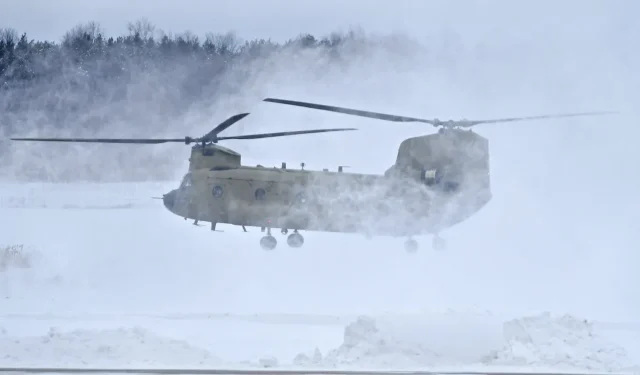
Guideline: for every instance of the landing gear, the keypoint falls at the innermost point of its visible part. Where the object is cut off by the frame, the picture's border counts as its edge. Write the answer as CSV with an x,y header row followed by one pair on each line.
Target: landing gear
x,y
268,242
295,239
411,245
439,243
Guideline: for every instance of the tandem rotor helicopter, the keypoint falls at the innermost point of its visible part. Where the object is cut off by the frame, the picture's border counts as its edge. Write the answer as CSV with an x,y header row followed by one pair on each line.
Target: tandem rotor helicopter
x,y
437,181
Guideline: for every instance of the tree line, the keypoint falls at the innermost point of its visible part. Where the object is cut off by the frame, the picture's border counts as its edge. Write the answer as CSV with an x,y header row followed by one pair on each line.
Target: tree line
x,y
90,82
88,67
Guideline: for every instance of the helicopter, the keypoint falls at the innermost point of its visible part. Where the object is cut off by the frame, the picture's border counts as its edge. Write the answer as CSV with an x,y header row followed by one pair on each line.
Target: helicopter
x,y
437,181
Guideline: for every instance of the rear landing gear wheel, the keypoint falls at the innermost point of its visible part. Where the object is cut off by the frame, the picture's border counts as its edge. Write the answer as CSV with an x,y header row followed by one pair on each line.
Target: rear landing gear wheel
x,y
439,243
268,242
411,245
295,239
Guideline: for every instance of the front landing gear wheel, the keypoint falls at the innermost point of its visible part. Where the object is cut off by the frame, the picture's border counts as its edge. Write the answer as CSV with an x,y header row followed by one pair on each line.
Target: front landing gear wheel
x,y
439,243
411,245
295,239
268,242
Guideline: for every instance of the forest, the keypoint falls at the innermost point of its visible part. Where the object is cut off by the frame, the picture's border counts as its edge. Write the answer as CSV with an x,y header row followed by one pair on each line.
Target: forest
x,y
88,67
151,83
90,82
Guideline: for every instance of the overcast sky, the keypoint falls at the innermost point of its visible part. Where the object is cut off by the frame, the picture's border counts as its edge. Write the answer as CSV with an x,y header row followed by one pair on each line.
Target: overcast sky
x,y
281,19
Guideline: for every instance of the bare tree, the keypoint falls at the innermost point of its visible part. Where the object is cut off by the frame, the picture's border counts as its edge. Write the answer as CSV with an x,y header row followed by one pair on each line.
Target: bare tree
x,y
9,36
141,28
223,44
90,30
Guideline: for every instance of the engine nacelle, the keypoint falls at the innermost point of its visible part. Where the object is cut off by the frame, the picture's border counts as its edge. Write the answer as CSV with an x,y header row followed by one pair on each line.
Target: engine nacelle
x,y
446,161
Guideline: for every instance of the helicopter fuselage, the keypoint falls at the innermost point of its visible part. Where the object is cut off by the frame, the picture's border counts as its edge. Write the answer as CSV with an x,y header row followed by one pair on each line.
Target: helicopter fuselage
x,y
320,201
407,200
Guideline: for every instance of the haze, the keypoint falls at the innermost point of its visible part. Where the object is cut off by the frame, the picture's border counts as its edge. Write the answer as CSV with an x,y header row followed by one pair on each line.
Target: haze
x,y
561,231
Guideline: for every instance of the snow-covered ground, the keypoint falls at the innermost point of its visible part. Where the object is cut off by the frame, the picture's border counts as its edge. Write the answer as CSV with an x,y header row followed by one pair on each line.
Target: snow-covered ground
x,y
139,286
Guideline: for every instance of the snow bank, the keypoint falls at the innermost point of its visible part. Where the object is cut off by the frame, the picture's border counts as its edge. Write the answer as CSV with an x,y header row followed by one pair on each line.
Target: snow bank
x,y
563,342
25,267
541,341
115,348
411,341
17,256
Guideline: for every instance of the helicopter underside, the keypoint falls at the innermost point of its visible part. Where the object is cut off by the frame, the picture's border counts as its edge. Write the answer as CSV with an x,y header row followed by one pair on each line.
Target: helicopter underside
x,y
400,217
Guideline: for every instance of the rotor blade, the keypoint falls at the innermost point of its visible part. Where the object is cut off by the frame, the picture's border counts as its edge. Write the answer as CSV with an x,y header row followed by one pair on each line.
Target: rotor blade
x,y
526,118
349,111
283,134
102,140
223,125
434,122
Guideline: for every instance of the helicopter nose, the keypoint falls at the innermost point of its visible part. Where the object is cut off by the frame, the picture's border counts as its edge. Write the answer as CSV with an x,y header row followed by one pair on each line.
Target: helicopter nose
x,y
169,200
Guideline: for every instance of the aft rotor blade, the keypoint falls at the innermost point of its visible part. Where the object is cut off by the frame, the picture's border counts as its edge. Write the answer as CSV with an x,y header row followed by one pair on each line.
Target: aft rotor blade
x,y
527,118
434,122
350,111
224,125
284,134
102,140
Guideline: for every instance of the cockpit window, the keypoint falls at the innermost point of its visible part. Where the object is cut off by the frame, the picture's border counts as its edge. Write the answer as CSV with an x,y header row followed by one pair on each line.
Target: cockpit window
x,y
186,181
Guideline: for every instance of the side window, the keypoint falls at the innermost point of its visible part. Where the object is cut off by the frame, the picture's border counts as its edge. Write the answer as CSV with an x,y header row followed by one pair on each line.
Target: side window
x,y
186,181
217,191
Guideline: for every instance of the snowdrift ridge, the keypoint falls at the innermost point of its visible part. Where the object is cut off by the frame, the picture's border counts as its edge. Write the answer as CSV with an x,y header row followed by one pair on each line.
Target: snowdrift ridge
x,y
539,341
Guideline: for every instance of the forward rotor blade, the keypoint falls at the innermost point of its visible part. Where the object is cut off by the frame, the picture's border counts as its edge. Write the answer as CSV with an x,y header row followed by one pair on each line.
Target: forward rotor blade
x,y
284,134
210,136
350,111
434,122
103,140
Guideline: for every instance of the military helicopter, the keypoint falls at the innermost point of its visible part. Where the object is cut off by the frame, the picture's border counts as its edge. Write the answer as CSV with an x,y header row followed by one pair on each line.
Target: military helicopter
x,y
437,181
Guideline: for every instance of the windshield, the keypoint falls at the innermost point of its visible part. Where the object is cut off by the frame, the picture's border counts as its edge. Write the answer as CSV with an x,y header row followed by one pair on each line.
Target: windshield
x,y
186,181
